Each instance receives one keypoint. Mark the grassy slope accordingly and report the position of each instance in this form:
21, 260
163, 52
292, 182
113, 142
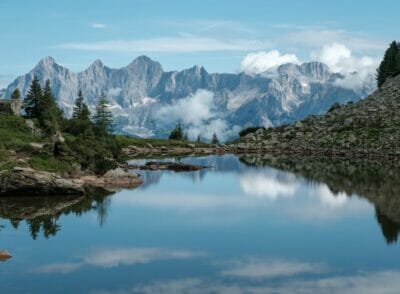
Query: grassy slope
15, 149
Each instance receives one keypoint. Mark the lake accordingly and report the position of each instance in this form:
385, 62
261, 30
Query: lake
244, 225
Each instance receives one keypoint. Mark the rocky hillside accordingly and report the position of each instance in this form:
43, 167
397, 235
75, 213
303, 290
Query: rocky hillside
368, 126
142, 93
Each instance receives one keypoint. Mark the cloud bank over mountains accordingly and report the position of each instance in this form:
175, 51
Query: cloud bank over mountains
358, 70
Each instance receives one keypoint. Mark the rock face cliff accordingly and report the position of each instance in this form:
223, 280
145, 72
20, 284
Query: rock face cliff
368, 126
139, 91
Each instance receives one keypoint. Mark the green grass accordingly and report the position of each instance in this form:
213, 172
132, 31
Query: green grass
91, 153
15, 134
48, 163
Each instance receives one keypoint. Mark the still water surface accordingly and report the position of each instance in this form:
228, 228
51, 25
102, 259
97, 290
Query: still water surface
252, 225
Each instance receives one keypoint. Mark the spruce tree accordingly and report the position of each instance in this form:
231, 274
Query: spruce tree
16, 95
198, 139
49, 116
77, 110
390, 65
80, 110
103, 118
32, 99
176, 133
214, 139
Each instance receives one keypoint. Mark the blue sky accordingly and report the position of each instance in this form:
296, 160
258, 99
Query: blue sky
218, 34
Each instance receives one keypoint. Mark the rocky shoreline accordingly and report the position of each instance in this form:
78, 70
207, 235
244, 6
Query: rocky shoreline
26, 181
251, 148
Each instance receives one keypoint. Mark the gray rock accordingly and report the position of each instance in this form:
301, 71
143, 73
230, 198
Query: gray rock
28, 182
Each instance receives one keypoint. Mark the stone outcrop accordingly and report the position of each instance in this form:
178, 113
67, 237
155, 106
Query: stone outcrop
29, 182
26, 181
114, 179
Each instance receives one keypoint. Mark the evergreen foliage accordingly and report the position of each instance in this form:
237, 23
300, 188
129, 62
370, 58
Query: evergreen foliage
16, 94
390, 65
103, 118
49, 115
177, 133
77, 110
214, 139
31, 101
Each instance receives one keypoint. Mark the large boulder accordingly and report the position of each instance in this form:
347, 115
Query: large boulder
29, 182
114, 179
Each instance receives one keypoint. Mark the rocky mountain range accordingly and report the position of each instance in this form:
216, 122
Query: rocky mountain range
148, 101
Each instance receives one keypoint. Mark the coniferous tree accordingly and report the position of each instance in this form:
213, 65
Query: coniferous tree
77, 110
80, 110
390, 65
16, 94
49, 116
32, 99
198, 139
85, 113
103, 118
214, 139
176, 133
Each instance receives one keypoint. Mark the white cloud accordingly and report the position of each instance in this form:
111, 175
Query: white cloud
255, 63
254, 268
199, 116
194, 109
114, 257
168, 44
131, 256
384, 282
268, 185
359, 71
329, 199
63, 268
98, 25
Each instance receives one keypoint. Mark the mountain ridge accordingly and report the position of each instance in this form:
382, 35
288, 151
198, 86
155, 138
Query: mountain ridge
140, 89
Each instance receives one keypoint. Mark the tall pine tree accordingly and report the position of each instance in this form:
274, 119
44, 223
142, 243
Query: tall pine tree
81, 110
390, 65
16, 95
176, 133
77, 110
32, 99
214, 139
103, 118
49, 116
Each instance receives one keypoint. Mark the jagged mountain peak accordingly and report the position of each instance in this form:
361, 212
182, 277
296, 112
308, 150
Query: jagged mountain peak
47, 60
46, 63
96, 64
143, 60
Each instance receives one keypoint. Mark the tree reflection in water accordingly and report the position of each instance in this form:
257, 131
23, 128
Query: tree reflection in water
41, 214
379, 182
